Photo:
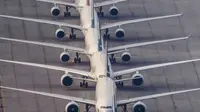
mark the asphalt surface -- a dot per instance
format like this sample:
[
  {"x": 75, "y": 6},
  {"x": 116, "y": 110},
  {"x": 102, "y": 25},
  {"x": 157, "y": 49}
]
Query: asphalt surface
[{"x": 159, "y": 80}]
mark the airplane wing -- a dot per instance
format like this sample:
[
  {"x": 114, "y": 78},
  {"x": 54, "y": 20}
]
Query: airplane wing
[
  {"x": 76, "y": 99},
  {"x": 110, "y": 25},
  {"x": 108, "y": 2},
  {"x": 68, "y": 48},
  {"x": 64, "y": 69},
  {"x": 132, "y": 100},
  {"x": 125, "y": 47},
  {"x": 59, "y": 2},
  {"x": 127, "y": 71},
  {"x": 78, "y": 27}
]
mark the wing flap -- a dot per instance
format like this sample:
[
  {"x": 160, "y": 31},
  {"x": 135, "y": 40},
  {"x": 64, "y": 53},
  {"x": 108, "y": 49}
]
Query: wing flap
[{"x": 77, "y": 99}]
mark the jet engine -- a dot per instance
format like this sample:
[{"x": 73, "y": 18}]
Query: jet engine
[
  {"x": 66, "y": 80},
  {"x": 72, "y": 107},
  {"x": 55, "y": 11},
  {"x": 64, "y": 57},
  {"x": 114, "y": 11},
  {"x": 60, "y": 33},
  {"x": 138, "y": 80},
  {"x": 139, "y": 107},
  {"x": 126, "y": 56},
  {"x": 119, "y": 33}
]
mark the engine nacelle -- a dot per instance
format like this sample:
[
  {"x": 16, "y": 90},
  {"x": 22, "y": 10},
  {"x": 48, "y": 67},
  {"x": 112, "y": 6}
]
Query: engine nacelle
[
  {"x": 66, "y": 80},
  {"x": 114, "y": 11},
  {"x": 55, "y": 11},
  {"x": 139, "y": 107},
  {"x": 60, "y": 33},
  {"x": 64, "y": 57},
  {"x": 126, "y": 56},
  {"x": 72, "y": 107},
  {"x": 138, "y": 80},
  {"x": 120, "y": 33}
]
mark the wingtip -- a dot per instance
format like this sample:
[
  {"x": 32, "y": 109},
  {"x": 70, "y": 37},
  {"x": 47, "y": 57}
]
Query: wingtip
[
  {"x": 189, "y": 35},
  {"x": 181, "y": 13}
]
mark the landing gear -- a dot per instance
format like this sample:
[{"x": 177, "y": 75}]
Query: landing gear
[
  {"x": 119, "y": 84},
  {"x": 84, "y": 83},
  {"x": 72, "y": 35},
  {"x": 87, "y": 108},
  {"x": 100, "y": 13},
  {"x": 112, "y": 59},
  {"x": 106, "y": 35},
  {"x": 67, "y": 13},
  {"x": 77, "y": 59},
  {"x": 124, "y": 108}
]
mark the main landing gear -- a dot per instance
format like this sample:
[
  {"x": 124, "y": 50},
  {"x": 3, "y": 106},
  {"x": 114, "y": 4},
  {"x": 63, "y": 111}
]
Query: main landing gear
[
  {"x": 72, "y": 35},
  {"x": 84, "y": 83},
  {"x": 124, "y": 108},
  {"x": 67, "y": 13},
  {"x": 100, "y": 13},
  {"x": 77, "y": 59},
  {"x": 87, "y": 108},
  {"x": 112, "y": 58},
  {"x": 106, "y": 35},
  {"x": 119, "y": 84}
]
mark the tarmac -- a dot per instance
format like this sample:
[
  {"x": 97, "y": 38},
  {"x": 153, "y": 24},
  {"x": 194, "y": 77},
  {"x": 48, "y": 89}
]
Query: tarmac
[{"x": 159, "y": 80}]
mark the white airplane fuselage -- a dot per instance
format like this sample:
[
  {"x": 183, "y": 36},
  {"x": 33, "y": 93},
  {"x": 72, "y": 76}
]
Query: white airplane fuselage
[{"x": 105, "y": 87}]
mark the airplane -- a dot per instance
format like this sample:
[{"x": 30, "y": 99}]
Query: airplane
[
  {"x": 123, "y": 49},
  {"x": 89, "y": 17},
  {"x": 105, "y": 94},
  {"x": 93, "y": 48},
  {"x": 55, "y": 10}
]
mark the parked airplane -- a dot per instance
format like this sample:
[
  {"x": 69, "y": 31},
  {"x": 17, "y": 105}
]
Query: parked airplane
[
  {"x": 90, "y": 28},
  {"x": 89, "y": 18},
  {"x": 65, "y": 55},
  {"x": 93, "y": 48},
  {"x": 105, "y": 99},
  {"x": 55, "y": 10}
]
